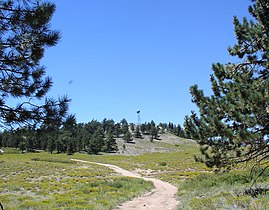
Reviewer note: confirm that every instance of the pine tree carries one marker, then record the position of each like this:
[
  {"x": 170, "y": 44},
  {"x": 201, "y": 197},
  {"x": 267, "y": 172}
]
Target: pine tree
[
  {"x": 132, "y": 127},
  {"x": 143, "y": 128},
  {"x": 96, "y": 142},
  {"x": 117, "y": 130},
  {"x": 108, "y": 125},
  {"x": 124, "y": 126},
  {"x": 25, "y": 34},
  {"x": 80, "y": 136},
  {"x": 190, "y": 130},
  {"x": 110, "y": 143},
  {"x": 127, "y": 137},
  {"x": 153, "y": 131},
  {"x": 137, "y": 133},
  {"x": 51, "y": 144},
  {"x": 69, "y": 129},
  {"x": 233, "y": 123}
]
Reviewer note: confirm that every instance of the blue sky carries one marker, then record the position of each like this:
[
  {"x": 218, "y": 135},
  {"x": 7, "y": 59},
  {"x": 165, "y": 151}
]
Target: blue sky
[{"x": 119, "y": 56}]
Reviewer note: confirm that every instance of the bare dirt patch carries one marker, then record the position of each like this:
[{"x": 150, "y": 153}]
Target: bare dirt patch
[{"x": 166, "y": 143}]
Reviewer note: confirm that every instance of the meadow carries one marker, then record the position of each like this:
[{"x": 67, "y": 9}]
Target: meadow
[
  {"x": 198, "y": 186},
  {"x": 45, "y": 181},
  {"x": 53, "y": 181}
]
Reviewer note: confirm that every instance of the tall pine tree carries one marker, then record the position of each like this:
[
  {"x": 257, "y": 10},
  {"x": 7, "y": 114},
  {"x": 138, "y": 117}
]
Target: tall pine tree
[
  {"x": 233, "y": 123},
  {"x": 25, "y": 34}
]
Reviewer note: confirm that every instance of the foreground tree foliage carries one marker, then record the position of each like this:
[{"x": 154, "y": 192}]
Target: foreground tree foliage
[
  {"x": 25, "y": 33},
  {"x": 233, "y": 124}
]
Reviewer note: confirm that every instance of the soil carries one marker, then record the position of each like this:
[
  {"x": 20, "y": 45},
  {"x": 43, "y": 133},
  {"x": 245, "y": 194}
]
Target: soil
[{"x": 161, "y": 197}]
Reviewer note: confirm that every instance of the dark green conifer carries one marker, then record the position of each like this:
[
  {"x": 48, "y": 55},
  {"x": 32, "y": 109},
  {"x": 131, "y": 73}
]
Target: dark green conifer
[
  {"x": 137, "y": 133},
  {"x": 127, "y": 137},
  {"x": 110, "y": 143},
  {"x": 96, "y": 142},
  {"x": 153, "y": 131},
  {"x": 25, "y": 34},
  {"x": 233, "y": 123}
]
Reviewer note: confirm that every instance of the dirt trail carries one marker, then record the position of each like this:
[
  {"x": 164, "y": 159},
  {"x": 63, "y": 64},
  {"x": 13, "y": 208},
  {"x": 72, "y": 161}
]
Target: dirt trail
[{"x": 161, "y": 197}]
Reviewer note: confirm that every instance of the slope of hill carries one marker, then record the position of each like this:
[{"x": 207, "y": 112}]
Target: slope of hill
[{"x": 166, "y": 142}]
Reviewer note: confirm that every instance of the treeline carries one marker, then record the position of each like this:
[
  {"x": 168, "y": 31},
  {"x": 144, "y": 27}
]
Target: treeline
[
  {"x": 92, "y": 137},
  {"x": 174, "y": 129}
]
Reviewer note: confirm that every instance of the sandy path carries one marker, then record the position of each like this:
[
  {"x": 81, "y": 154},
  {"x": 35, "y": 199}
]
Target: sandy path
[{"x": 161, "y": 197}]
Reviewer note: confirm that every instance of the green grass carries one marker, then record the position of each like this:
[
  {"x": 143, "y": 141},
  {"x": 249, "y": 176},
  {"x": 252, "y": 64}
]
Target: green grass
[
  {"x": 222, "y": 191},
  {"x": 45, "y": 181},
  {"x": 180, "y": 163},
  {"x": 199, "y": 187},
  {"x": 52, "y": 181},
  {"x": 8, "y": 150}
]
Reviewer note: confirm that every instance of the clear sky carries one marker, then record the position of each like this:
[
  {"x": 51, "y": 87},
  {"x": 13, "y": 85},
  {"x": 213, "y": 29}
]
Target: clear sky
[{"x": 119, "y": 56}]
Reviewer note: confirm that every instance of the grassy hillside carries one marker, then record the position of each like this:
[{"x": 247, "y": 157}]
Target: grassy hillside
[{"x": 53, "y": 181}]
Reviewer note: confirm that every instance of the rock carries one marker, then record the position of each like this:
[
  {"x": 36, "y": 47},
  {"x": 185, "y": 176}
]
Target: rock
[{"x": 1, "y": 152}]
